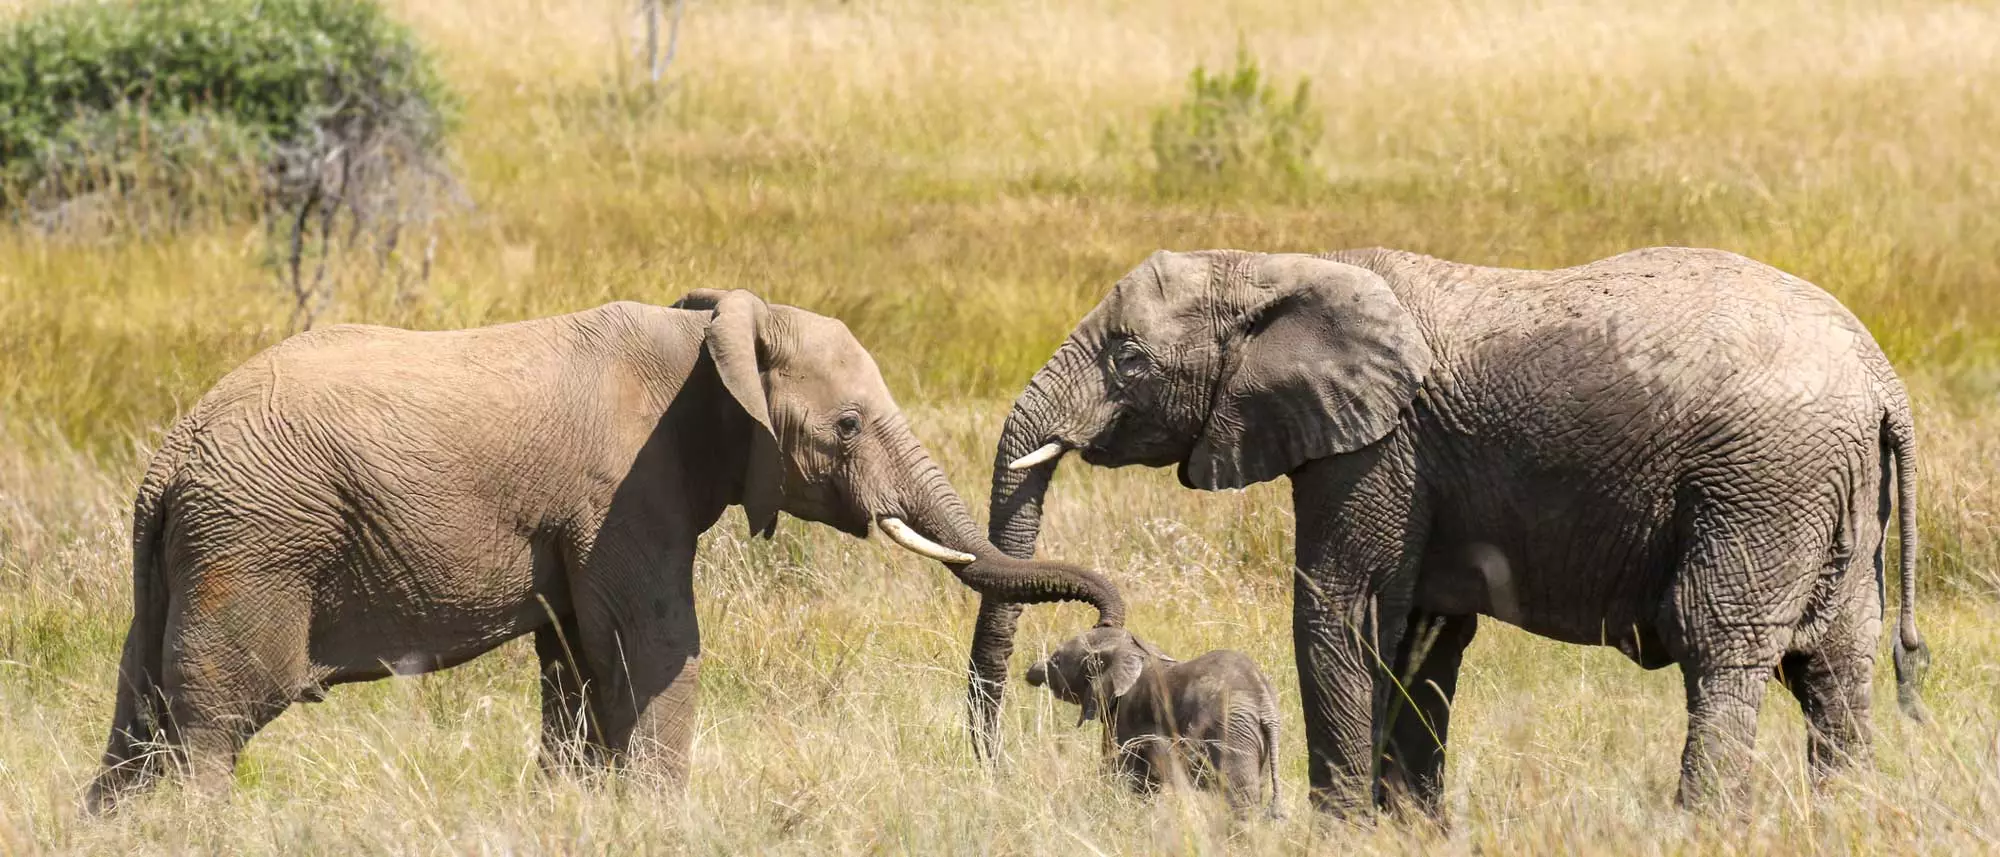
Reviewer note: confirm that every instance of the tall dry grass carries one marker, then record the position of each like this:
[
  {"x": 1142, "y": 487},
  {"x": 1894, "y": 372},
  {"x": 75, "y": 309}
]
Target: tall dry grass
[{"x": 960, "y": 181}]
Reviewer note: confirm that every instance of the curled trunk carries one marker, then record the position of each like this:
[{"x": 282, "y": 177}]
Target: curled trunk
[
  {"x": 934, "y": 509},
  {"x": 1004, "y": 579}
]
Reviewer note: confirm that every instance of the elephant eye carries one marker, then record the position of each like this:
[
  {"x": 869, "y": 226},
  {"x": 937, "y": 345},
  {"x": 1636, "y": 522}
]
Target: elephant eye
[
  {"x": 848, "y": 425},
  {"x": 1129, "y": 361}
]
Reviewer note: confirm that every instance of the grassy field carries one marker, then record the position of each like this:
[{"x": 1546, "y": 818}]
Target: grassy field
[{"x": 960, "y": 182}]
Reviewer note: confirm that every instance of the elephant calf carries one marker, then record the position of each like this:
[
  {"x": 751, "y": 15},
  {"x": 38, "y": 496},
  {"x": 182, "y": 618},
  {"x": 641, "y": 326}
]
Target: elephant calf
[{"x": 1214, "y": 717}]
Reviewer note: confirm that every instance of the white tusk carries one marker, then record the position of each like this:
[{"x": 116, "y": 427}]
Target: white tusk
[
  {"x": 1046, "y": 453},
  {"x": 915, "y": 543}
]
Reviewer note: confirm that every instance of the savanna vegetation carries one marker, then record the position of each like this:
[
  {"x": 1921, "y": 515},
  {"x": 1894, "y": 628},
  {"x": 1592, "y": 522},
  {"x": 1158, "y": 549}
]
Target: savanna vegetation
[{"x": 960, "y": 182}]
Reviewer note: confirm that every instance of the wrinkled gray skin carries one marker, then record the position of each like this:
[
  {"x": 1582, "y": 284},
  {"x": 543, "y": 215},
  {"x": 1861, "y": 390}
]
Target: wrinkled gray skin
[
  {"x": 357, "y": 502},
  {"x": 1211, "y": 722},
  {"x": 1681, "y": 453}
]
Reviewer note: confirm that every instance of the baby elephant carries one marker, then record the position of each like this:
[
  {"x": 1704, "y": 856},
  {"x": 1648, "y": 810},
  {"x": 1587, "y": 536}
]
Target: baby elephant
[{"x": 1213, "y": 719}]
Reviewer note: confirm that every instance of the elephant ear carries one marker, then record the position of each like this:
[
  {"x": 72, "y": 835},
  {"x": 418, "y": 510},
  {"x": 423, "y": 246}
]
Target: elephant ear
[
  {"x": 733, "y": 345},
  {"x": 1116, "y": 671},
  {"x": 1324, "y": 359}
]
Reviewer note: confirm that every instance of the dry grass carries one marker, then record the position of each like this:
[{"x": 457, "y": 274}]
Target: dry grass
[{"x": 960, "y": 181}]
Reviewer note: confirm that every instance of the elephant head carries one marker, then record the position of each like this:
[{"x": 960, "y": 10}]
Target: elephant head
[
  {"x": 1095, "y": 668},
  {"x": 1236, "y": 367},
  {"x": 829, "y": 445}
]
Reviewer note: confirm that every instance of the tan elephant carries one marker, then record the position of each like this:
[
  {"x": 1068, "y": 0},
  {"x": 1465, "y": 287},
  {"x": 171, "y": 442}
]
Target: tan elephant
[{"x": 358, "y": 502}]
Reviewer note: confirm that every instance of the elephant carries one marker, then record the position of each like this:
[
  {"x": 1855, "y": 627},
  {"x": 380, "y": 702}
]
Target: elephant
[
  {"x": 1210, "y": 722},
  {"x": 1676, "y": 452},
  {"x": 357, "y": 502}
]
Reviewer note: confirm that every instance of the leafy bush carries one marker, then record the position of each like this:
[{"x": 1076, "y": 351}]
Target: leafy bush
[
  {"x": 101, "y": 95},
  {"x": 1235, "y": 128}
]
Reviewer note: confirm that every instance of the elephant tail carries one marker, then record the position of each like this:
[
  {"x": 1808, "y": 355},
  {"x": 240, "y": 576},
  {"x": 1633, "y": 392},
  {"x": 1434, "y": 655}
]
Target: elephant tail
[
  {"x": 1269, "y": 724},
  {"x": 133, "y": 756},
  {"x": 1912, "y": 657}
]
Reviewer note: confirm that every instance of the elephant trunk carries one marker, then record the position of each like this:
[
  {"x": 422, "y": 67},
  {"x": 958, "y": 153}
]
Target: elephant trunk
[
  {"x": 1005, "y": 581},
  {"x": 1016, "y": 508},
  {"x": 935, "y": 512}
]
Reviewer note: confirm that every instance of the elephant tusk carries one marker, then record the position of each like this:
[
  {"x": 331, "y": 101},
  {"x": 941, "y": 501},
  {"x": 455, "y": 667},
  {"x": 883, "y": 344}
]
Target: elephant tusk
[
  {"x": 915, "y": 543},
  {"x": 1047, "y": 453}
]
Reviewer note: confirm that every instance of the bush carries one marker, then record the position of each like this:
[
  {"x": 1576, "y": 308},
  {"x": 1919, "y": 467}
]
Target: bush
[
  {"x": 1235, "y": 128},
  {"x": 180, "y": 94}
]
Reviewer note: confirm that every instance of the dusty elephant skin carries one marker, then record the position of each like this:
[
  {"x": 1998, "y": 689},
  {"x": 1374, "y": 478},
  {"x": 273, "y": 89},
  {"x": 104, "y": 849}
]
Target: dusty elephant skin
[
  {"x": 1210, "y": 722},
  {"x": 1682, "y": 453},
  {"x": 357, "y": 502}
]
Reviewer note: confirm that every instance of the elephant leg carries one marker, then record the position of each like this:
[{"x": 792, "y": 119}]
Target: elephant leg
[
  {"x": 1240, "y": 770},
  {"x": 1833, "y": 693},
  {"x": 570, "y": 739},
  {"x": 1336, "y": 688},
  {"x": 642, "y": 650},
  {"x": 1419, "y": 710},
  {"x": 228, "y": 673},
  {"x": 1832, "y": 678},
  {"x": 1722, "y": 732},
  {"x": 1832, "y": 683},
  {"x": 1728, "y": 645},
  {"x": 1361, "y": 531}
]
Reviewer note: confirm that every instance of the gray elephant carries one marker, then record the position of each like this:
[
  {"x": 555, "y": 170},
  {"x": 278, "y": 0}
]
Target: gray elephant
[
  {"x": 1681, "y": 453},
  {"x": 357, "y": 502},
  {"x": 1210, "y": 722}
]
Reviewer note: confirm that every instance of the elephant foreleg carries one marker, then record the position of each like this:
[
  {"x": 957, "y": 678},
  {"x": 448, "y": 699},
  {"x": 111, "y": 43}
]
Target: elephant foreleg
[
  {"x": 642, "y": 651},
  {"x": 1361, "y": 531},
  {"x": 571, "y": 739},
  {"x": 1336, "y": 688},
  {"x": 1419, "y": 710}
]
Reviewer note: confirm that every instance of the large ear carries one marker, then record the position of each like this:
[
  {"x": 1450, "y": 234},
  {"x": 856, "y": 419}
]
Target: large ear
[
  {"x": 1324, "y": 360},
  {"x": 732, "y": 344}
]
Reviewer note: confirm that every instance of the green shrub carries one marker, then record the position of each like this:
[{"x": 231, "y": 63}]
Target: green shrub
[
  {"x": 1234, "y": 129},
  {"x": 107, "y": 95}
]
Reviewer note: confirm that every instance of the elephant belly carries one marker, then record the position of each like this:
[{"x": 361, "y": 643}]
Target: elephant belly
[
  {"x": 361, "y": 651},
  {"x": 1602, "y": 605},
  {"x": 1470, "y": 577},
  {"x": 411, "y": 620}
]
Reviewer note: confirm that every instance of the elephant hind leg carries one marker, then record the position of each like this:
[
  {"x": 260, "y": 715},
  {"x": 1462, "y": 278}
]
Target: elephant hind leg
[
  {"x": 1239, "y": 766},
  {"x": 1729, "y": 635},
  {"x": 1833, "y": 693},
  {"x": 1722, "y": 732},
  {"x": 571, "y": 732},
  {"x": 231, "y": 674},
  {"x": 1832, "y": 682}
]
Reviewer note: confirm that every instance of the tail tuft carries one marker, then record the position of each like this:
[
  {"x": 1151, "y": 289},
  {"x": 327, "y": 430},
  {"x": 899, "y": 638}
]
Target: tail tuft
[{"x": 1912, "y": 663}]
